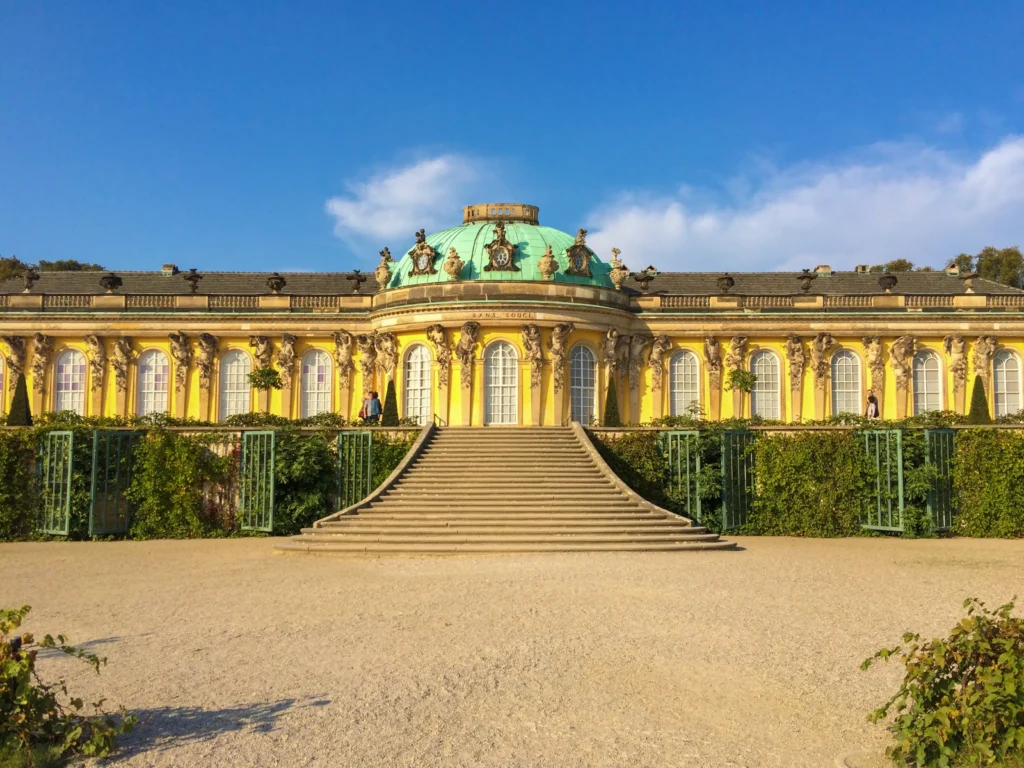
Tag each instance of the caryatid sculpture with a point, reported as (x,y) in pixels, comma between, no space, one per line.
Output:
(637,345)
(737,353)
(42,348)
(662,344)
(122,357)
(465,350)
(204,360)
(873,353)
(901,353)
(15,358)
(608,348)
(387,355)
(956,349)
(984,351)
(559,346)
(181,352)
(263,350)
(97,360)
(286,356)
(533,351)
(367,343)
(343,355)
(795,358)
(713,361)
(820,347)
(438,339)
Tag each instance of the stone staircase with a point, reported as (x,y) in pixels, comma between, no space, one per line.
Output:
(503,489)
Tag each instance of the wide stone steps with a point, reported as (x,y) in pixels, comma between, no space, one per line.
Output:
(497,490)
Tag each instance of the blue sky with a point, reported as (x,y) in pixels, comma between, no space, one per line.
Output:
(308,135)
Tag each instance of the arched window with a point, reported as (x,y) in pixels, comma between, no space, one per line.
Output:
(684,384)
(1006,382)
(70,389)
(153,379)
(845,382)
(316,383)
(235,389)
(417,384)
(764,399)
(501,384)
(582,384)
(927,382)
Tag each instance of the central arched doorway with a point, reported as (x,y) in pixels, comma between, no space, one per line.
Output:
(501,384)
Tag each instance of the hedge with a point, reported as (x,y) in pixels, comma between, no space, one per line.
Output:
(988,478)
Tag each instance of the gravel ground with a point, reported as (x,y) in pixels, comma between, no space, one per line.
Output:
(232,655)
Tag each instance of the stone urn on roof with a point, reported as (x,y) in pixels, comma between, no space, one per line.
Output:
(619,271)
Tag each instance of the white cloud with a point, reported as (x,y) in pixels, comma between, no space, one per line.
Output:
(894,200)
(391,205)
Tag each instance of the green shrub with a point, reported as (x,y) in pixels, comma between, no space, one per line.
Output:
(978,414)
(389,416)
(388,453)
(20,414)
(265,379)
(19,500)
(305,477)
(810,484)
(741,380)
(961,702)
(611,406)
(38,718)
(988,474)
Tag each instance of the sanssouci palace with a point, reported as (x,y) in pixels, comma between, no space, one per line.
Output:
(504,321)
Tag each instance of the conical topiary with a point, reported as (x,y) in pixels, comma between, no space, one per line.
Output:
(21,413)
(611,406)
(979,404)
(389,416)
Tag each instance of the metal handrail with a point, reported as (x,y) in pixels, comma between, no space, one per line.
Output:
(439,422)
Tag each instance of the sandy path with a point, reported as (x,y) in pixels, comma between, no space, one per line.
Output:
(235,656)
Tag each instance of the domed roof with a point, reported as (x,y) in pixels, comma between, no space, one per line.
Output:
(480,228)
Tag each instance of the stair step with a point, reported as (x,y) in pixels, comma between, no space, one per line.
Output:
(460,549)
(552,516)
(364,528)
(454,537)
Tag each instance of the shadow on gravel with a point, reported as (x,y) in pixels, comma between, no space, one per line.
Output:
(168,727)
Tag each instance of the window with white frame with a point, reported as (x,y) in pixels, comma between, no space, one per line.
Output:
(845,382)
(684,384)
(501,384)
(927,382)
(316,383)
(70,382)
(153,381)
(235,388)
(582,384)
(764,399)
(417,384)
(1006,382)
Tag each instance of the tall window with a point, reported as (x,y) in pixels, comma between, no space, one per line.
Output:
(764,400)
(927,382)
(235,389)
(70,389)
(316,383)
(684,383)
(845,382)
(1006,382)
(417,384)
(153,379)
(582,384)
(501,384)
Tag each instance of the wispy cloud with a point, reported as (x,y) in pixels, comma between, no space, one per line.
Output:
(892,200)
(392,204)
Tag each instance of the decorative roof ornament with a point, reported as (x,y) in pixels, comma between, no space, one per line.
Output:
(423,256)
(887,281)
(548,264)
(579,256)
(969,281)
(645,277)
(111,282)
(383,271)
(192,277)
(453,264)
(31,277)
(806,278)
(501,253)
(357,279)
(276,283)
(725,282)
(619,271)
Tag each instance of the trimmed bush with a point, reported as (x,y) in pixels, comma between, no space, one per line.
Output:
(611,406)
(389,416)
(988,474)
(979,404)
(20,414)
(19,501)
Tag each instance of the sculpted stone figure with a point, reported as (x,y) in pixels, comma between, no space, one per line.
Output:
(901,353)
(611,341)
(873,352)
(531,338)
(387,355)
(737,353)
(442,352)
(15,358)
(796,360)
(622,352)
(286,358)
(367,343)
(181,351)
(121,358)
(97,360)
(343,355)
(559,346)
(637,344)
(956,349)
(382,274)
(41,351)
(984,351)
(662,344)
(820,347)
(465,350)
(713,360)
(204,360)
(264,350)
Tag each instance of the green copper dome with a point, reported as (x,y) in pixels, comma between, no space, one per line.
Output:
(480,229)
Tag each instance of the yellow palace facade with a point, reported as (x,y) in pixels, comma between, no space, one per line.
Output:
(503,321)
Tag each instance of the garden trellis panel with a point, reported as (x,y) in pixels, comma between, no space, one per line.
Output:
(112,456)
(355,467)
(737,477)
(681,450)
(56,455)
(939,447)
(256,481)
(884,449)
